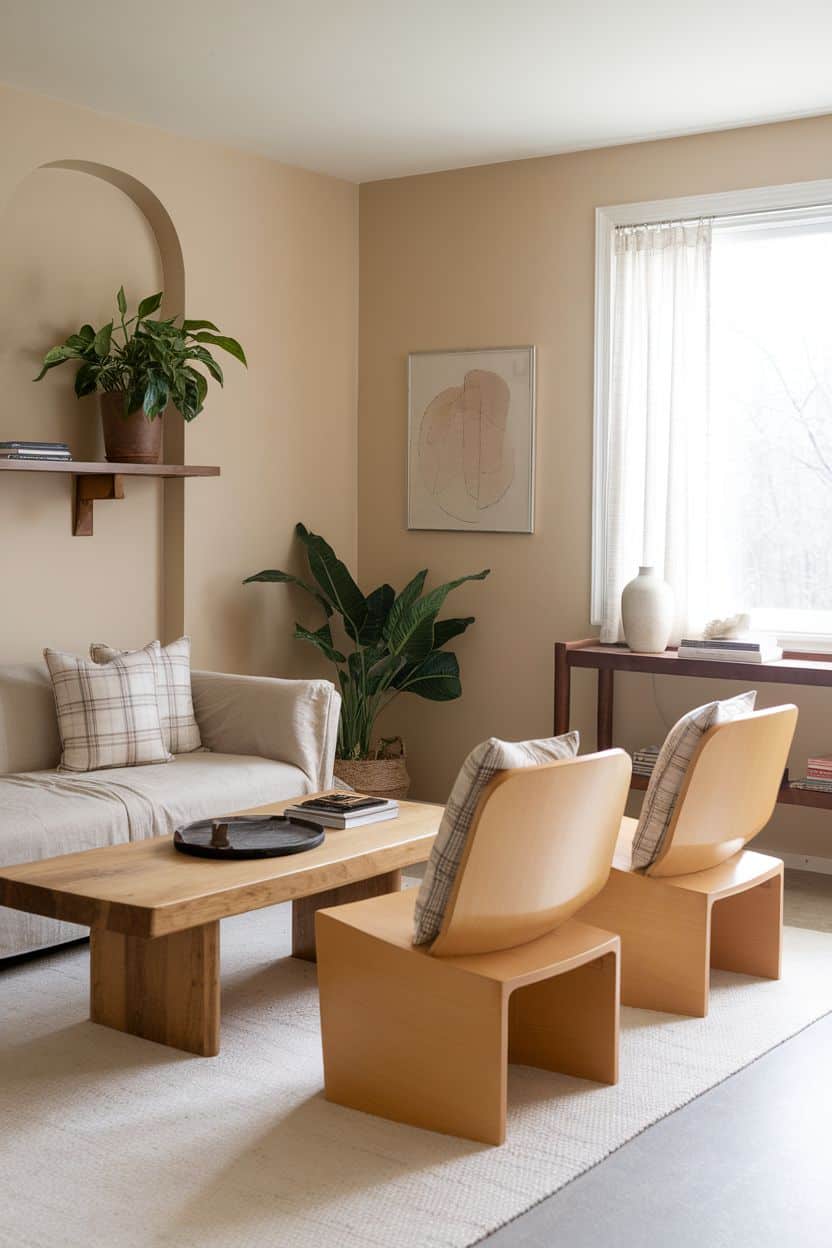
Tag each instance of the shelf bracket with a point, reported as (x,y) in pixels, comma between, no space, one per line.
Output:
(88,489)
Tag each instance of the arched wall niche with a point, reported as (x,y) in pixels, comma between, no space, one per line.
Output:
(170,564)
(170,250)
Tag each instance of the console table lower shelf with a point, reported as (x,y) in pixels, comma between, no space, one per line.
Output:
(795,668)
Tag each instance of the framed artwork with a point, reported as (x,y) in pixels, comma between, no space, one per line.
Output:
(470,462)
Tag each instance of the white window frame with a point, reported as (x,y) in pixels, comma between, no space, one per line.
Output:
(794,195)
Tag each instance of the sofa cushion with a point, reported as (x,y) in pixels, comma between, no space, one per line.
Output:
(45,813)
(29,738)
(481,765)
(199,786)
(670,770)
(107,713)
(172,665)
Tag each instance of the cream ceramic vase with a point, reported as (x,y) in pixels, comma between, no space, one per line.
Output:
(647,612)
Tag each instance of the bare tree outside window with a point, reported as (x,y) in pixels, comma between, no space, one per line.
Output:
(768,519)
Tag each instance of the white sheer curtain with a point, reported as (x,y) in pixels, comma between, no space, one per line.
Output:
(657,443)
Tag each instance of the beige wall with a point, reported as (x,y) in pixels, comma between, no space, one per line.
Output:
(504,255)
(270,253)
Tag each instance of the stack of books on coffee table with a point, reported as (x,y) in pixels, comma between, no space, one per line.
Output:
(818,775)
(35,450)
(344,810)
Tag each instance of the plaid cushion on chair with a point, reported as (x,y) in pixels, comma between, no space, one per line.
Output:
(107,714)
(481,765)
(180,731)
(671,768)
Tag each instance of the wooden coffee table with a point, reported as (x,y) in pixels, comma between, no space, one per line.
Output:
(154,913)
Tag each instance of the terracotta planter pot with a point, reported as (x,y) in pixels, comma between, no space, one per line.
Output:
(129,439)
(377,777)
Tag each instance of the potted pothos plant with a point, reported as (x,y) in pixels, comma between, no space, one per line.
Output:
(391,643)
(139,366)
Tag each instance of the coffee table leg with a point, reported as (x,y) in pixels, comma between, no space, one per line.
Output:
(303,908)
(165,989)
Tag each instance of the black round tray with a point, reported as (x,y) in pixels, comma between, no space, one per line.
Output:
(248,836)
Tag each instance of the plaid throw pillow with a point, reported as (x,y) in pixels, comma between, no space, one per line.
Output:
(481,765)
(107,715)
(671,768)
(172,664)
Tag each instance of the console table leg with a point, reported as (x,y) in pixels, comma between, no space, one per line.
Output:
(606,677)
(562,690)
(304,908)
(165,989)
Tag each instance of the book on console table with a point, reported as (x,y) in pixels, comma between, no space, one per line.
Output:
(729,649)
(644,760)
(345,810)
(813,785)
(819,768)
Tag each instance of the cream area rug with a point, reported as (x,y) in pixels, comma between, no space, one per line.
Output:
(111,1140)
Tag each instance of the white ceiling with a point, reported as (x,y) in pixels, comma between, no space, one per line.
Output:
(368,89)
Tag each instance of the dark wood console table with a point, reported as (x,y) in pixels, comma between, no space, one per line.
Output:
(795,668)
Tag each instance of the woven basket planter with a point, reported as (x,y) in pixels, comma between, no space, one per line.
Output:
(377,777)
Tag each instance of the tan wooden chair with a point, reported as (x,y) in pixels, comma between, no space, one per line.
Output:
(424,1034)
(706,900)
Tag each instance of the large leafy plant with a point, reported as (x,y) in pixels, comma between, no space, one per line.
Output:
(398,641)
(151,362)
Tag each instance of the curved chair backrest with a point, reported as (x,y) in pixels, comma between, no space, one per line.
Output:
(540,846)
(729,792)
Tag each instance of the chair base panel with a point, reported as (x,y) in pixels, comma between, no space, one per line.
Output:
(673,930)
(426,1040)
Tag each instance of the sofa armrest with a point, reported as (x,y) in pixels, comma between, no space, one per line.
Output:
(290,721)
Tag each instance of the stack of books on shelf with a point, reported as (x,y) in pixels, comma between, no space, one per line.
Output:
(731,649)
(344,810)
(644,760)
(818,775)
(35,450)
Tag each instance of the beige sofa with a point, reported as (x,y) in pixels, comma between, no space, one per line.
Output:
(266,740)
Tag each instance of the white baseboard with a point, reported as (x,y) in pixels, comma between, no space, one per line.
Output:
(805,862)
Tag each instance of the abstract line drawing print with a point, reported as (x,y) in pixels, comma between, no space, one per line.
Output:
(471,442)
(463,440)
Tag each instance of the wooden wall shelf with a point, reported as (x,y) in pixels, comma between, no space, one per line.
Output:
(795,668)
(95,480)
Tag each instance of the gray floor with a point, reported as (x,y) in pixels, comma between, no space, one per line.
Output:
(747,1164)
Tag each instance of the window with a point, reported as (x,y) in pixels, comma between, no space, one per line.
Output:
(713,456)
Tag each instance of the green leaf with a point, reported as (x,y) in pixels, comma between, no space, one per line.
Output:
(87,333)
(206,358)
(231,345)
(101,342)
(190,326)
(274,576)
(78,343)
(322,638)
(335,581)
(86,379)
(56,356)
(150,304)
(379,603)
(444,630)
(412,590)
(201,385)
(409,628)
(121,300)
(381,672)
(435,678)
(156,397)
